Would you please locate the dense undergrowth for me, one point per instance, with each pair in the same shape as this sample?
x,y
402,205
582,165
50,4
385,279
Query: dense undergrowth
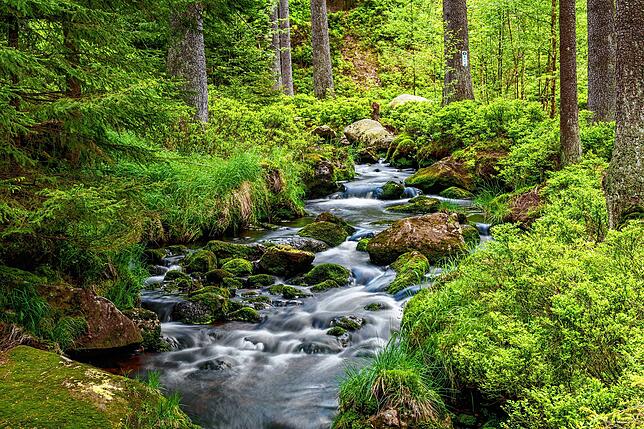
x,y
546,323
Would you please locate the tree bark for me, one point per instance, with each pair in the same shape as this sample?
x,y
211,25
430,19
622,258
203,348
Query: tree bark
x,y
322,69
601,59
187,57
458,78
285,48
569,111
13,39
624,181
275,47
73,89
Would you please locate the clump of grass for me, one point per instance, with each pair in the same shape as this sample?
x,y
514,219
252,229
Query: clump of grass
x,y
397,378
493,202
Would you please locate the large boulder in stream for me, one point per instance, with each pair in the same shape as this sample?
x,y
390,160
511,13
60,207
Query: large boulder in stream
x,y
437,236
369,134
200,261
285,261
227,250
441,175
410,269
421,204
301,243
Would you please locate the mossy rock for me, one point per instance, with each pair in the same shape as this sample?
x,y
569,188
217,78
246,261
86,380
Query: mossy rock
x,y
349,323
181,285
245,314
470,235
446,173
375,306
155,256
224,250
232,283
46,391
336,331
456,193
418,205
259,280
403,152
410,269
391,191
200,261
327,271
258,299
148,323
177,249
203,307
362,244
173,275
238,267
331,233
330,217
325,285
437,236
287,292
286,261
217,275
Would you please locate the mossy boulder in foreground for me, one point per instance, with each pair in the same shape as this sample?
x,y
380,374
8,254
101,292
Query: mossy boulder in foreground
x,y
330,217
436,236
330,233
285,261
456,193
44,390
410,269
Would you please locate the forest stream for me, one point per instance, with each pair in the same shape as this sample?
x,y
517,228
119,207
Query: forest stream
x,y
284,371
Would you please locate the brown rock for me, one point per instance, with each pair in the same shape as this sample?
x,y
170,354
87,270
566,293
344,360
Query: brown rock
x,y
436,236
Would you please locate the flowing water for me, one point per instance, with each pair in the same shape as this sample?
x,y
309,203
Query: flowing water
x,y
284,371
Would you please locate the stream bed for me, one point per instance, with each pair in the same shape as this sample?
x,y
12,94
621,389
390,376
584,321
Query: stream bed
x,y
284,372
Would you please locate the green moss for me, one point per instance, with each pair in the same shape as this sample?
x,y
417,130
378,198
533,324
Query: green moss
x,y
224,249
287,292
374,306
200,261
336,331
154,256
216,276
349,323
332,234
175,275
417,205
362,244
330,217
327,271
456,193
43,390
239,267
259,280
284,260
471,235
392,191
443,174
259,298
232,283
410,269
245,314
325,285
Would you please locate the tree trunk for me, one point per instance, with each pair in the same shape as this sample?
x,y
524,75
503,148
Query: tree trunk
x,y
73,89
275,47
551,79
601,59
624,182
13,38
322,70
569,111
285,48
458,78
187,57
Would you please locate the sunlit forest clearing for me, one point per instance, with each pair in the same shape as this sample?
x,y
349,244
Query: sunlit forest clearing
x,y
304,214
